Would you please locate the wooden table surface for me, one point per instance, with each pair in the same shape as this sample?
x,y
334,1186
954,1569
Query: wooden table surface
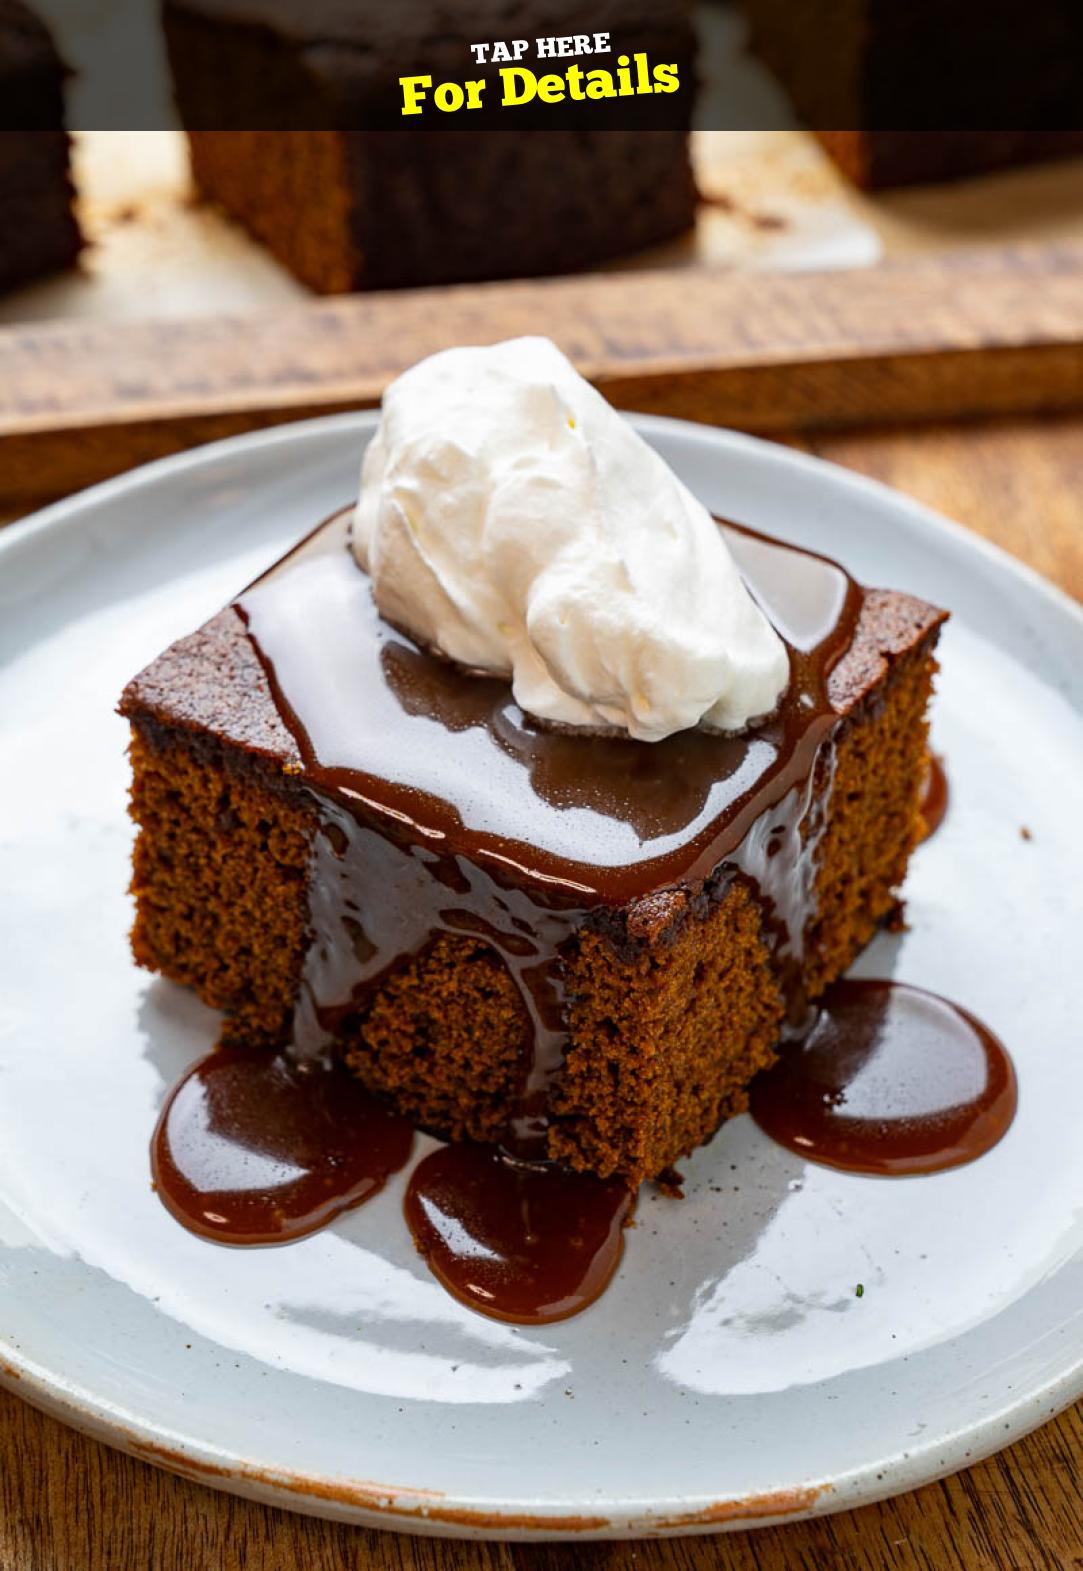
x,y
68,1504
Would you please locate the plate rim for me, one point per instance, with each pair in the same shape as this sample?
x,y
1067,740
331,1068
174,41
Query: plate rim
x,y
66,509
411,1508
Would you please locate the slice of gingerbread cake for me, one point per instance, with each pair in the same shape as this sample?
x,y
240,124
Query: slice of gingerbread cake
x,y
541,799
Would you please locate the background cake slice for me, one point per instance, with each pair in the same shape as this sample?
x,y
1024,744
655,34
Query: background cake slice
x,y
38,230
368,200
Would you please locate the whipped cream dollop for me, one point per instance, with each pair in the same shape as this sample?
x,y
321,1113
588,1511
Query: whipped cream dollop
x,y
511,520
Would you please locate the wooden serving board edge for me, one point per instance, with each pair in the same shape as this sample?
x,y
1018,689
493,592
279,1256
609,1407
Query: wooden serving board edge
x,y
990,332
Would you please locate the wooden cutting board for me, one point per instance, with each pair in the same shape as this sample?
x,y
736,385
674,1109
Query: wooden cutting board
x,y
994,331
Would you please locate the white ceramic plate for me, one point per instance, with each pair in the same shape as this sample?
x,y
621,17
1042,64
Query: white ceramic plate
x,y
731,1374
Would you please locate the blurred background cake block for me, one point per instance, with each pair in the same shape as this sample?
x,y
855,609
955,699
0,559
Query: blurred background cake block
x,y
38,231
876,160
372,208
943,64
380,210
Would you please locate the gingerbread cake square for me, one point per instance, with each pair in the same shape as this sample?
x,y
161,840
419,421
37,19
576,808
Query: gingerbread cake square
x,y
591,941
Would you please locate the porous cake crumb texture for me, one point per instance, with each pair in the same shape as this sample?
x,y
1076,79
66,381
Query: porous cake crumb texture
x,y
668,1020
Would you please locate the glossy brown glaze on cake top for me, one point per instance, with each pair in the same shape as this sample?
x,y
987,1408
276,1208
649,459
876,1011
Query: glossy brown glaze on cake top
x,y
446,758
210,687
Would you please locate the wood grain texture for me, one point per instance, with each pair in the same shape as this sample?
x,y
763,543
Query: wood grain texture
x,y
69,1504
968,333
1017,482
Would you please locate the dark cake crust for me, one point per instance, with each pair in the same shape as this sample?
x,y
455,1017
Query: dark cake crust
x,y
31,72
38,231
